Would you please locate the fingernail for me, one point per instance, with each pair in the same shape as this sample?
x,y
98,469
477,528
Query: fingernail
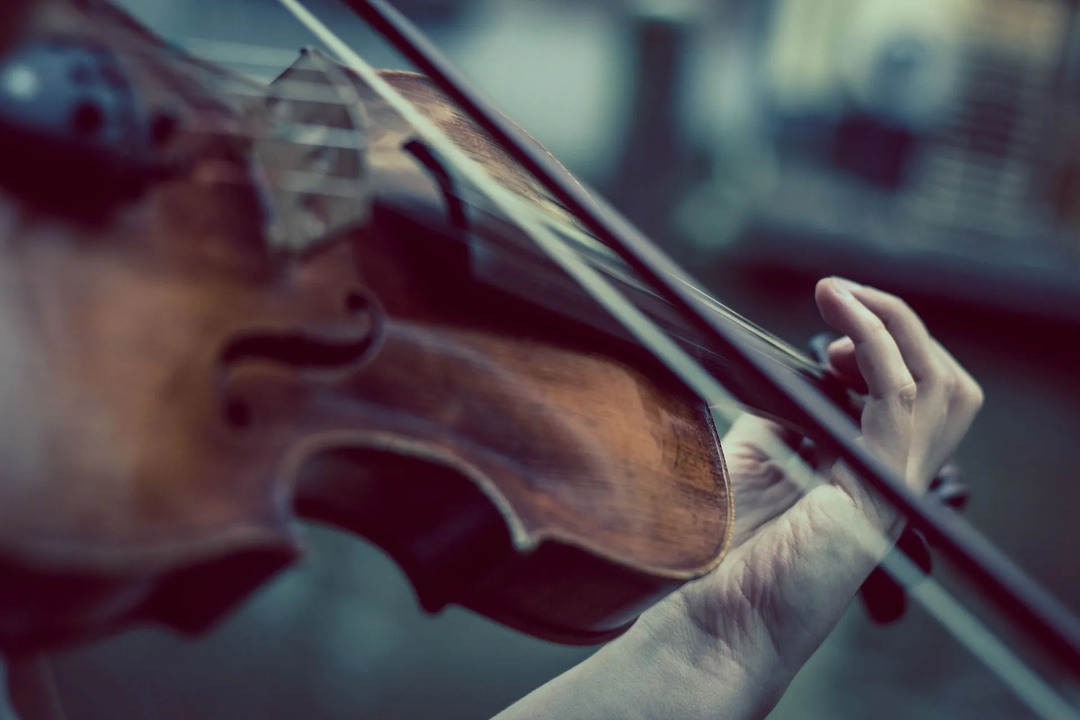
x,y
845,288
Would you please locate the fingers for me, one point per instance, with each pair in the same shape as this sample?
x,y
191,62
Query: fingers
x,y
876,351
930,365
927,361
922,401
907,330
965,394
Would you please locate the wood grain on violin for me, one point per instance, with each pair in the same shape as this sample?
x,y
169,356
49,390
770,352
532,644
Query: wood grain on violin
x,y
188,374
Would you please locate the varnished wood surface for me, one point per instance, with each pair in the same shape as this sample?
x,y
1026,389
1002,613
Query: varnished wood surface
x,y
174,384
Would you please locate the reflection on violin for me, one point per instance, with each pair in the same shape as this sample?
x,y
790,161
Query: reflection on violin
x,y
246,306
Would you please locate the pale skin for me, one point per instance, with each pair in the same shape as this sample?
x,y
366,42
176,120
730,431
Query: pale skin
x,y
728,645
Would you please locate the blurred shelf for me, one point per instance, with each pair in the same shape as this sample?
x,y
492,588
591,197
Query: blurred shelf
x,y
868,237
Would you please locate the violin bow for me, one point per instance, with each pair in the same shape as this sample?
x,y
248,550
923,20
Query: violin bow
x,y
1041,616
1006,585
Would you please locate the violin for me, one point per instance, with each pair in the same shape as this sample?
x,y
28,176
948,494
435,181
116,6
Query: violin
x,y
230,354
227,307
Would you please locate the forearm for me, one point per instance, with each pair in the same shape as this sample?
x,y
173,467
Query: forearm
x,y
662,668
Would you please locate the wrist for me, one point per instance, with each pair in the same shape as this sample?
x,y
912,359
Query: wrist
x,y
663,667
737,673
758,617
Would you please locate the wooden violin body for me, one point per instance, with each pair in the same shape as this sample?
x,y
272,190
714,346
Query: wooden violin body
x,y
188,373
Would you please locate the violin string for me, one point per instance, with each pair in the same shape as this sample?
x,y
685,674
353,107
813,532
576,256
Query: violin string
x,y
293,89
310,183
308,91
300,133
583,237
577,234
1038,695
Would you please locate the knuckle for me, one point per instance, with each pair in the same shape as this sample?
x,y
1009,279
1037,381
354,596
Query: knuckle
x,y
950,384
937,377
907,394
876,327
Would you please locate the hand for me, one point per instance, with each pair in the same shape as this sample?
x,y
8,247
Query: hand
x,y
797,559
921,404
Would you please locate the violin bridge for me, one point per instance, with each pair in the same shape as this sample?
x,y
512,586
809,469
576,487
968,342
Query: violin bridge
x,y
312,164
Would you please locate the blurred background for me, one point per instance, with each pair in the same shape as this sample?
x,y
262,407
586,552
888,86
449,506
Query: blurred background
x,y
929,147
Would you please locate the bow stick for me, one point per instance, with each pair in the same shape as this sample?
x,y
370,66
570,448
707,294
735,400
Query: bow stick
x,y
1034,610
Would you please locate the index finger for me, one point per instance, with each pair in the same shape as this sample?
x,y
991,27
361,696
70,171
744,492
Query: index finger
x,y
876,351
907,329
